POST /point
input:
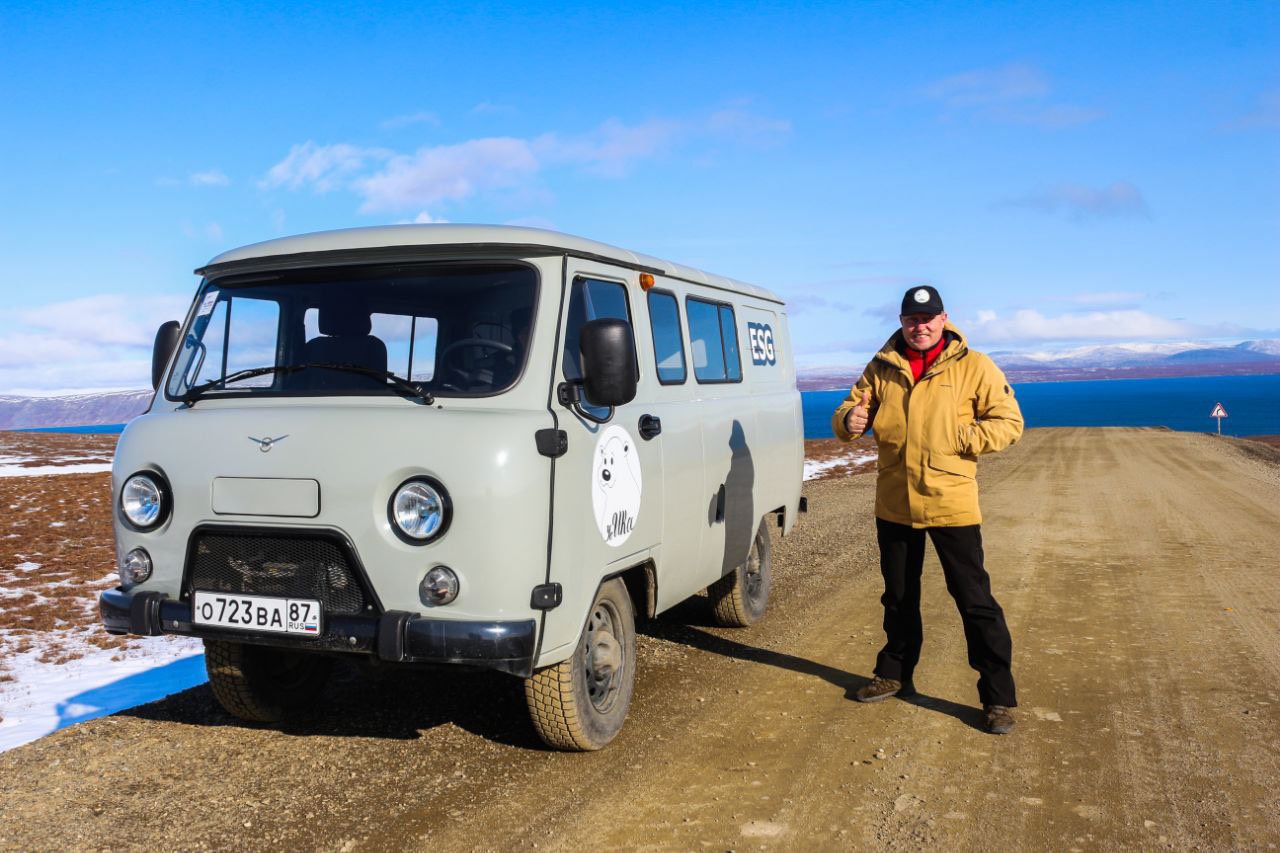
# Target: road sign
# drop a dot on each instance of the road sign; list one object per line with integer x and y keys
{"x": 1218, "y": 412}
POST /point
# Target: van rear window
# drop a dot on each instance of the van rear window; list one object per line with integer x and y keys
{"x": 713, "y": 337}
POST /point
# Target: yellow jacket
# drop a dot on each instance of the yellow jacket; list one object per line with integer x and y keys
{"x": 931, "y": 433}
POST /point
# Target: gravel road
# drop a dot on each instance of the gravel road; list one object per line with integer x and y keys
{"x": 1139, "y": 573}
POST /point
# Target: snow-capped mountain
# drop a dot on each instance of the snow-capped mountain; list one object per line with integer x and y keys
{"x": 107, "y": 407}
{"x": 1140, "y": 354}
{"x": 1105, "y": 361}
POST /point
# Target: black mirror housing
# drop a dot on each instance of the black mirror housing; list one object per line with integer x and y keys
{"x": 608, "y": 362}
{"x": 166, "y": 342}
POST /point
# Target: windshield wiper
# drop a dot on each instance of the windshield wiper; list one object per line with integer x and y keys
{"x": 409, "y": 387}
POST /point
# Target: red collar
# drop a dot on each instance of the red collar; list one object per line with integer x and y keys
{"x": 922, "y": 361}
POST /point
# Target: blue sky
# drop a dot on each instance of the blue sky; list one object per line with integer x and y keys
{"x": 1063, "y": 173}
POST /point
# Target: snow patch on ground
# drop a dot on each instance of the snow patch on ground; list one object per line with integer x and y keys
{"x": 43, "y": 697}
{"x": 816, "y": 468}
{"x": 46, "y": 470}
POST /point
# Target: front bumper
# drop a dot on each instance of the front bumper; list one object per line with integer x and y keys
{"x": 394, "y": 636}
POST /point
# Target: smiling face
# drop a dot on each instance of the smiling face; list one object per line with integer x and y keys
{"x": 922, "y": 331}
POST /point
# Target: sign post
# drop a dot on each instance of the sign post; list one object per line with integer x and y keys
{"x": 1218, "y": 412}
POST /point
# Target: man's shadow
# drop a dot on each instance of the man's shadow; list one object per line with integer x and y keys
{"x": 679, "y": 630}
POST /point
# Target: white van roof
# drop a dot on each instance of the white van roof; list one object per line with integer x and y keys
{"x": 306, "y": 249}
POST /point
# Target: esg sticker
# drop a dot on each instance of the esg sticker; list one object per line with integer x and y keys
{"x": 615, "y": 485}
{"x": 761, "y": 337}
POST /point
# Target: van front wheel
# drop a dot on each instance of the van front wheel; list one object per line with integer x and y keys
{"x": 580, "y": 703}
{"x": 739, "y": 598}
{"x": 261, "y": 684}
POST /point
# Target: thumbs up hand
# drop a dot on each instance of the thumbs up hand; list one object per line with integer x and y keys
{"x": 855, "y": 420}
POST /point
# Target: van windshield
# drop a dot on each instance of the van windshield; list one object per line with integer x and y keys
{"x": 455, "y": 331}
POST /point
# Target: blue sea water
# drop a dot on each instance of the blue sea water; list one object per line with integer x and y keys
{"x": 92, "y": 429}
{"x": 1182, "y": 403}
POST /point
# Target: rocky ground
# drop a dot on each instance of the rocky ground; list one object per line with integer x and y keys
{"x": 1138, "y": 572}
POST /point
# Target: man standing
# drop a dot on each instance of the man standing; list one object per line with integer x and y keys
{"x": 935, "y": 406}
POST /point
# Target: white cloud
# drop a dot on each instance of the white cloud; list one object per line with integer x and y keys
{"x": 1017, "y": 93}
{"x": 211, "y": 178}
{"x": 447, "y": 173}
{"x": 745, "y": 126}
{"x": 488, "y": 108}
{"x": 420, "y": 117}
{"x": 1029, "y": 326}
{"x": 321, "y": 167}
{"x": 93, "y": 342}
{"x": 442, "y": 174}
{"x": 1080, "y": 203}
{"x": 612, "y": 148}
{"x": 1266, "y": 115}
{"x": 423, "y": 218}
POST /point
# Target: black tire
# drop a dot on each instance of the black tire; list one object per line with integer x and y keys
{"x": 739, "y": 598}
{"x": 261, "y": 684}
{"x": 580, "y": 704}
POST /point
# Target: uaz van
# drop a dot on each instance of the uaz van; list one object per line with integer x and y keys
{"x": 446, "y": 444}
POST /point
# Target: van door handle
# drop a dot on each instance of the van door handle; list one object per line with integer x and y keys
{"x": 650, "y": 425}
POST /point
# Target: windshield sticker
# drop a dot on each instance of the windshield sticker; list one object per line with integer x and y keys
{"x": 616, "y": 487}
{"x": 206, "y": 307}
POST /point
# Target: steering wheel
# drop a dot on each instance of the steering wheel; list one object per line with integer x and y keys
{"x": 478, "y": 343}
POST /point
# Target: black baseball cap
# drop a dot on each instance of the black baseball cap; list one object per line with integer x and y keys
{"x": 921, "y": 299}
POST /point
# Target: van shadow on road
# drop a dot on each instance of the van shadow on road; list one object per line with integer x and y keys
{"x": 680, "y": 626}
{"x": 400, "y": 703}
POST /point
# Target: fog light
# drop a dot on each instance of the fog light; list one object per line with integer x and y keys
{"x": 439, "y": 586}
{"x": 135, "y": 567}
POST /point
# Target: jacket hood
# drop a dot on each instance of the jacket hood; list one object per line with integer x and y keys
{"x": 956, "y": 347}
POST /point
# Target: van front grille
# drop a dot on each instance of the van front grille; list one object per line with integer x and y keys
{"x": 309, "y": 566}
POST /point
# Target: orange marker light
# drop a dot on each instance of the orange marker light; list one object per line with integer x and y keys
{"x": 646, "y": 281}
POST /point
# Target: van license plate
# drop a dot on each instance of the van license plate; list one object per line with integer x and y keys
{"x": 256, "y": 613}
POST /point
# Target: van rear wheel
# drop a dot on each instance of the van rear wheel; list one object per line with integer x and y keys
{"x": 261, "y": 684}
{"x": 581, "y": 703}
{"x": 739, "y": 598}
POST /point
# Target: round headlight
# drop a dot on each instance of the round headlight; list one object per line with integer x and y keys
{"x": 439, "y": 586}
{"x": 135, "y": 567}
{"x": 142, "y": 501}
{"x": 419, "y": 511}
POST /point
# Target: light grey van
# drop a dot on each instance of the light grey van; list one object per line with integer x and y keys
{"x": 460, "y": 445}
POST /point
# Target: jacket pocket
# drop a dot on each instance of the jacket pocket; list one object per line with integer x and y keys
{"x": 957, "y": 465}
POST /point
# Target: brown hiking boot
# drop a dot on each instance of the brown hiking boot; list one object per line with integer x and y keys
{"x": 999, "y": 719}
{"x": 882, "y": 688}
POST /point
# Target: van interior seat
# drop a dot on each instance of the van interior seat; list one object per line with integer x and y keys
{"x": 344, "y": 338}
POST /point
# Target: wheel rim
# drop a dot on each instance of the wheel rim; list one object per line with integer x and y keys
{"x": 602, "y": 659}
{"x": 753, "y": 576}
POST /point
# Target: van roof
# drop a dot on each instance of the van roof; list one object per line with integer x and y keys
{"x": 395, "y": 241}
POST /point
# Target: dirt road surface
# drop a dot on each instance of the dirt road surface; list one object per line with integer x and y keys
{"x": 1140, "y": 571}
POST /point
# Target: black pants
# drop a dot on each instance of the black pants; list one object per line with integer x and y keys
{"x": 960, "y": 551}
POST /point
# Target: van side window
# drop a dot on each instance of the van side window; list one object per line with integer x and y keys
{"x": 668, "y": 345}
{"x": 729, "y": 334}
{"x": 714, "y": 341}
{"x": 238, "y": 333}
{"x": 589, "y": 300}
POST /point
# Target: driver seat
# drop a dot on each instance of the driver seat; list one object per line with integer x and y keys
{"x": 344, "y": 338}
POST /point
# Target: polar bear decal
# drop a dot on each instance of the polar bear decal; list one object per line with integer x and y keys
{"x": 616, "y": 485}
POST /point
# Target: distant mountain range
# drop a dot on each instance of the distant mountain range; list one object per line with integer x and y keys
{"x": 1106, "y": 361}
{"x": 107, "y": 407}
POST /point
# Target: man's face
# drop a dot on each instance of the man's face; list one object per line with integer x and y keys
{"x": 922, "y": 331}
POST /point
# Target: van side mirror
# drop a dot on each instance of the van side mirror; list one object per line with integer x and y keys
{"x": 162, "y": 350}
{"x": 608, "y": 369}
{"x": 608, "y": 362}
